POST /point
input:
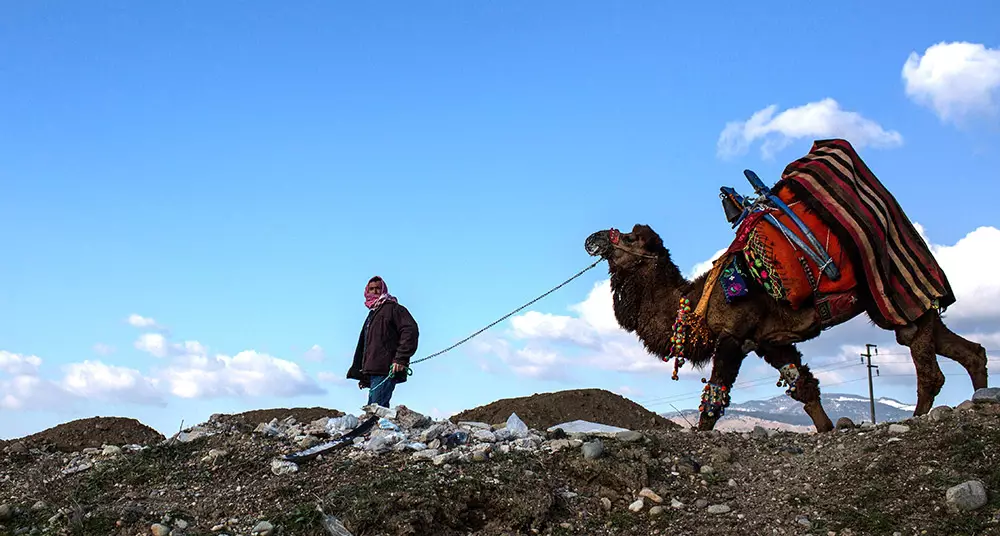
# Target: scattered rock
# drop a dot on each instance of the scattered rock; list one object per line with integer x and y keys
{"x": 606, "y": 503}
{"x": 263, "y": 528}
{"x": 707, "y": 470}
{"x": 966, "y": 406}
{"x": 719, "y": 509}
{"x": 987, "y": 395}
{"x": 701, "y": 503}
{"x": 214, "y": 455}
{"x": 677, "y": 505}
{"x": 637, "y": 505}
{"x": 485, "y": 436}
{"x": 651, "y": 495}
{"x": 940, "y": 413}
{"x": 898, "y": 428}
{"x": 688, "y": 466}
{"x": 159, "y": 530}
{"x": 656, "y": 510}
{"x": 593, "y": 449}
{"x": 967, "y": 496}
{"x": 283, "y": 467}
{"x": 474, "y": 426}
{"x": 427, "y": 454}
{"x": 628, "y": 436}
{"x": 721, "y": 456}
{"x": 6, "y": 512}
{"x": 845, "y": 423}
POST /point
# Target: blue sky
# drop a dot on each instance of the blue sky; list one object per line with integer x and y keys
{"x": 232, "y": 175}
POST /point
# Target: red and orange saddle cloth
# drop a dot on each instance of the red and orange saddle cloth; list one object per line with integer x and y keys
{"x": 783, "y": 270}
{"x": 841, "y": 202}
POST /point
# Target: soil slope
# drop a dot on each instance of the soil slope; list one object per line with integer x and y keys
{"x": 94, "y": 432}
{"x": 543, "y": 410}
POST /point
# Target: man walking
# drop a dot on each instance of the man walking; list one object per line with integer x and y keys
{"x": 387, "y": 342}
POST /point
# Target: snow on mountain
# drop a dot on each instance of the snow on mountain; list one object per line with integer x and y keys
{"x": 897, "y": 405}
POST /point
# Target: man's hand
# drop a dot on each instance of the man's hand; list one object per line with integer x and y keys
{"x": 361, "y": 384}
{"x": 396, "y": 367}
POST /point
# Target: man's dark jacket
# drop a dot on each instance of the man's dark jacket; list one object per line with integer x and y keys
{"x": 388, "y": 336}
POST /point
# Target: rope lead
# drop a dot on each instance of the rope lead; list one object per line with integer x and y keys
{"x": 409, "y": 371}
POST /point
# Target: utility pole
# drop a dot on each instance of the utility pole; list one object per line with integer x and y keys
{"x": 871, "y": 388}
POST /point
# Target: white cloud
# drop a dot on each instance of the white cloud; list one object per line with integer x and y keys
{"x": 26, "y": 391}
{"x": 158, "y": 345}
{"x": 438, "y": 414}
{"x": 315, "y": 353}
{"x": 977, "y": 289}
{"x": 334, "y": 378}
{"x": 821, "y": 119}
{"x": 154, "y": 344}
{"x": 535, "y": 325}
{"x": 103, "y": 349}
{"x": 18, "y": 364}
{"x": 629, "y": 392}
{"x": 140, "y": 321}
{"x": 97, "y": 381}
{"x": 246, "y": 374}
{"x": 705, "y": 266}
{"x": 529, "y": 362}
{"x": 955, "y": 79}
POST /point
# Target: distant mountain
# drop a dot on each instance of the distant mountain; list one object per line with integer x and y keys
{"x": 781, "y": 412}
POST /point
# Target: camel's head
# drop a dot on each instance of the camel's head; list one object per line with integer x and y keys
{"x": 626, "y": 251}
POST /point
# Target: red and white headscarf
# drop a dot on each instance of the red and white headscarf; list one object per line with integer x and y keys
{"x": 374, "y": 299}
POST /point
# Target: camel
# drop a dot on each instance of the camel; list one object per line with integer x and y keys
{"x": 647, "y": 288}
{"x": 846, "y": 248}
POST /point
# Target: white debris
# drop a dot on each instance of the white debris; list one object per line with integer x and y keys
{"x": 587, "y": 427}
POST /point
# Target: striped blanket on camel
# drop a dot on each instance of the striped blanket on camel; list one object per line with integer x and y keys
{"x": 895, "y": 263}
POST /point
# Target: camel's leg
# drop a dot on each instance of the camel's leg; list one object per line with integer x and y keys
{"x": 725, "y": 368}
{"x": 970, "y": 355}
{"x": 919, "y": 337}
{"x": 804, "y": 386}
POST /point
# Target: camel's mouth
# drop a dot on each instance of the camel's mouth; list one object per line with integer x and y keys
{"x": 598, "y": 244}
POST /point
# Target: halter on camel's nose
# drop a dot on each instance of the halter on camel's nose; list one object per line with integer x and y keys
{"x": 598, "y": 243}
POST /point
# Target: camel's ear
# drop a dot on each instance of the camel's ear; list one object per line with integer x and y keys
{"x": 651, "y": 240}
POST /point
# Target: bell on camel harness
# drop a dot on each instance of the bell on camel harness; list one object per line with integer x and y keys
{"x": 738, "y": 208}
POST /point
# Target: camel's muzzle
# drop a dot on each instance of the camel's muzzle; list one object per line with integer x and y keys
{"x": 598, "y": 243}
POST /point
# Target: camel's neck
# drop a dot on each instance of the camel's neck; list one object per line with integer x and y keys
{"x": 646, "y": 303}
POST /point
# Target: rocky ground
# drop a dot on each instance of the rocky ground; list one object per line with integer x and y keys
{"x": 937, "y": 474}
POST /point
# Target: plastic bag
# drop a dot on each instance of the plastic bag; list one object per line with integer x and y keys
{"x": 386, "y": 424}
{"x": 456, "y": 439}
{"x": 384, "y": 442}
{"x": 342, "y": 424}
{"x": 516, "y": 426}
{"x": 334, "y": 526}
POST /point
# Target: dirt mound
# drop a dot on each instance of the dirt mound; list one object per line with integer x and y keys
{"x": 249, "y": 420}
{"x": 94, "y": 432}
{"x": 541, "y": 411}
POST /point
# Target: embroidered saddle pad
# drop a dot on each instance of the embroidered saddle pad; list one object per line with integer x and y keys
{"x": 783, "y": 270}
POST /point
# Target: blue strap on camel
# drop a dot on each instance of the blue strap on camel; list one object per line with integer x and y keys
{"x": 738, "y": 208}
